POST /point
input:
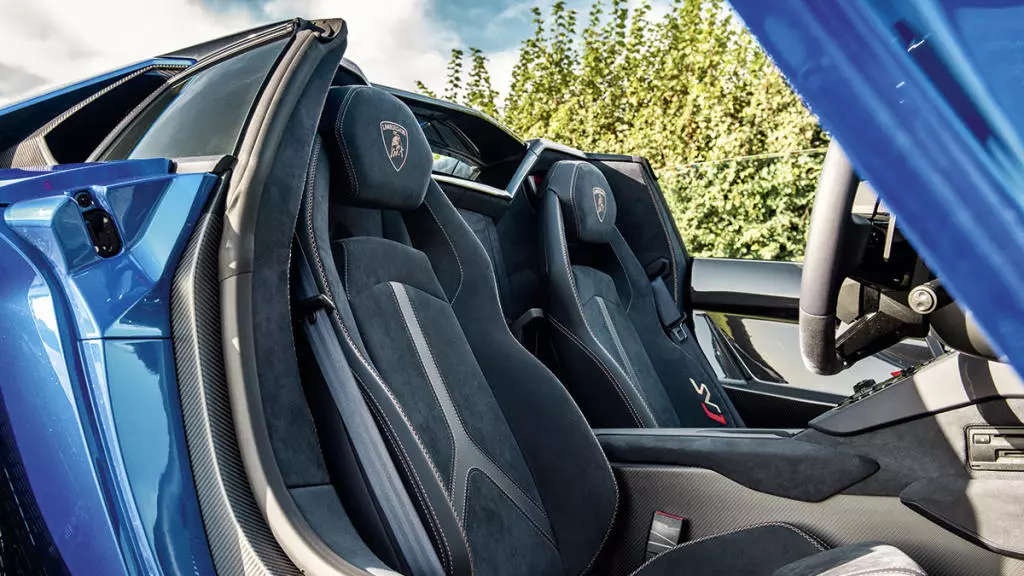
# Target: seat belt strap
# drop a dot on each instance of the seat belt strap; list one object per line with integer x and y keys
{"x": 381, "y": 475}
{"x": 667, "y": 531}
{"x": 672, "y": 320}
{"x": 516, "y": 327}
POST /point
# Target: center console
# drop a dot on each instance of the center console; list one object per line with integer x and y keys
{"x": 946, "y": 383}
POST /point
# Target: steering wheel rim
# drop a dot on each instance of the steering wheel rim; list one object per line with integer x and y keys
{"x": 824, "y": 264}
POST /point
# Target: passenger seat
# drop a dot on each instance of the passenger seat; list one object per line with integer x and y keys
{"x": 616, "y": 357}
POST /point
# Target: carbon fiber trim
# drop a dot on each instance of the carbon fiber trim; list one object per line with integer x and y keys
{"x": 33, "y": 150}
{"x": 240, "y": 540}
{"x": 714, "y": 504}
{"x": 26, "y": 545}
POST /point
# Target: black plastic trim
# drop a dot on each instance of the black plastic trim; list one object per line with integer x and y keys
{"x": 768, "y": 461}
{"x": 747, "y": 287}
{"x": 986, "y": 512}
{"x": 950, "y": 382}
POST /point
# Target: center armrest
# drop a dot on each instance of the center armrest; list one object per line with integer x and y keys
{"x": 770, "y": 461}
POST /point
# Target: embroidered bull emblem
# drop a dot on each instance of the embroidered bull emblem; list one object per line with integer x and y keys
{"x": 601, "y": 203}
{"x": 396, "y": 143}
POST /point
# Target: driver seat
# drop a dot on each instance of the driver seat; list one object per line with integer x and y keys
{"x": 500, "y": 466}
{"x": 624, "y": 369}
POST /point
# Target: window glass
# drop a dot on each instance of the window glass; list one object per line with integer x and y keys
{"x": 201, "y": 116}
{"x": 455, "y": 167}
{"x": 765, "y": 351}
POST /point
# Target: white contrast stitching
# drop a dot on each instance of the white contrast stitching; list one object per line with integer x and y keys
{"x": 451, "y": 434}
{"x": 572, "y": 199}
{"x": 339, "y": 137}
{"x": 398, "y": 407}
{"x": 622, "y": 265}
{"x": 600, "y": 364}
{"x": 450, "y": 245}
{"x": 458, "y": 414}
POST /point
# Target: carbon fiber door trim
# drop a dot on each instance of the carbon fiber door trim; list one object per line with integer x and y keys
{"x": 714, "y": 505}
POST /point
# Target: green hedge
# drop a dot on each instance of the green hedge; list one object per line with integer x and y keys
{"x": 745, "y": 208}
{"x": 685, "y": 89}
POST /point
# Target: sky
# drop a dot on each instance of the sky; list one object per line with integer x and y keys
{"x": 396, "y": 42}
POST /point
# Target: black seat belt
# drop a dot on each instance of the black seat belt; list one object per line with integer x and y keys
{"x": 672, "y": 320}
{"x": 382, "y": 477}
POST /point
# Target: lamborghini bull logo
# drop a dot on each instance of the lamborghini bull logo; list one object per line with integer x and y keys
{"x": 711, "y": 409}
{"x": 396, "y": 143}
{"x": 601, "y": 203}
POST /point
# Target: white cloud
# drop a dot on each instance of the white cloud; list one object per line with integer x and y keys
{"x": 500, "y": 65}
{"x": 395, "y": 42}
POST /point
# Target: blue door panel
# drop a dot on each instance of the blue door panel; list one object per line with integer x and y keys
{"x": 43, "y": 393}
{"x": 924, "y": 96}
{"x": 124, "y": 296}
{"x": 142, "y": 422}
{"x": 89, "y": 381}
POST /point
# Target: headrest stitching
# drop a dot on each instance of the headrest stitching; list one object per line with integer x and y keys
{"x": 572, "y": 196}
{"x": 339, "y": 124}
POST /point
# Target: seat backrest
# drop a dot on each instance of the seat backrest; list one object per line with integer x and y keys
{"x": 614, "y": 354}
{"x": 500, "y": 463}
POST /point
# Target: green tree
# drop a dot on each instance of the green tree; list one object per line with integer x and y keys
{"x": 479, "y": 92}
{"x": 737, "y": 152}
{"x": 422, "y": 89}
{"x": 453, "y": 90}
{"x": 476, "y": 91}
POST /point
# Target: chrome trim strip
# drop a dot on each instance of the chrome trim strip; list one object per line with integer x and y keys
{"x": 534, "y": 149}
{"x": 471, "y": 185}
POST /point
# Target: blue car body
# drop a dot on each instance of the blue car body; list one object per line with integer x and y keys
{"x": 89, "y": 390}
{"x": 94, "y": 448}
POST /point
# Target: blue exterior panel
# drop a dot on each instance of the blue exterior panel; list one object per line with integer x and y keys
{"x": 924, "y": 96}
{"x": 90, "y": 390}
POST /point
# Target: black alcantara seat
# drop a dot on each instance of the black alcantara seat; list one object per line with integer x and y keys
{"x": 500, "y": 465}
{"x": 617, "y": 360}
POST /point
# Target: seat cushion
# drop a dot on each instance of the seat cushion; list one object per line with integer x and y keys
{"x": 863, "y": 559}
{"x": 778, "y": 550}
{"x": 619, "y": 342}
{"x": 756, "y": 551}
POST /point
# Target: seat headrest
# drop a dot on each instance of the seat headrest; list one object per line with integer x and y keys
{"x": 379, "y": 155}
{"x": 587, "y": 201}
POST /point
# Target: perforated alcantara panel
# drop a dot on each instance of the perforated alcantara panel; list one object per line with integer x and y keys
{"x": 240, "y": 541}
{"x": 713, "y": 504}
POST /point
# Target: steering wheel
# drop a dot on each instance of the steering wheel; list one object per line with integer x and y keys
{"x": 830, "y": 255}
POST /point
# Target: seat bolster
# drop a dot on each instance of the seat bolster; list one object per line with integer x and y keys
{"x": 696, "y": 392}
{"x": 755, "y": 551}
{"x": 862, "y": 559}
{"x": 608, "y": 400}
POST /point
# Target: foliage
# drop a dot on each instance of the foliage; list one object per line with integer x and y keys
{"x": 479, "y": 93}
{"x": 737, "y": 153}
